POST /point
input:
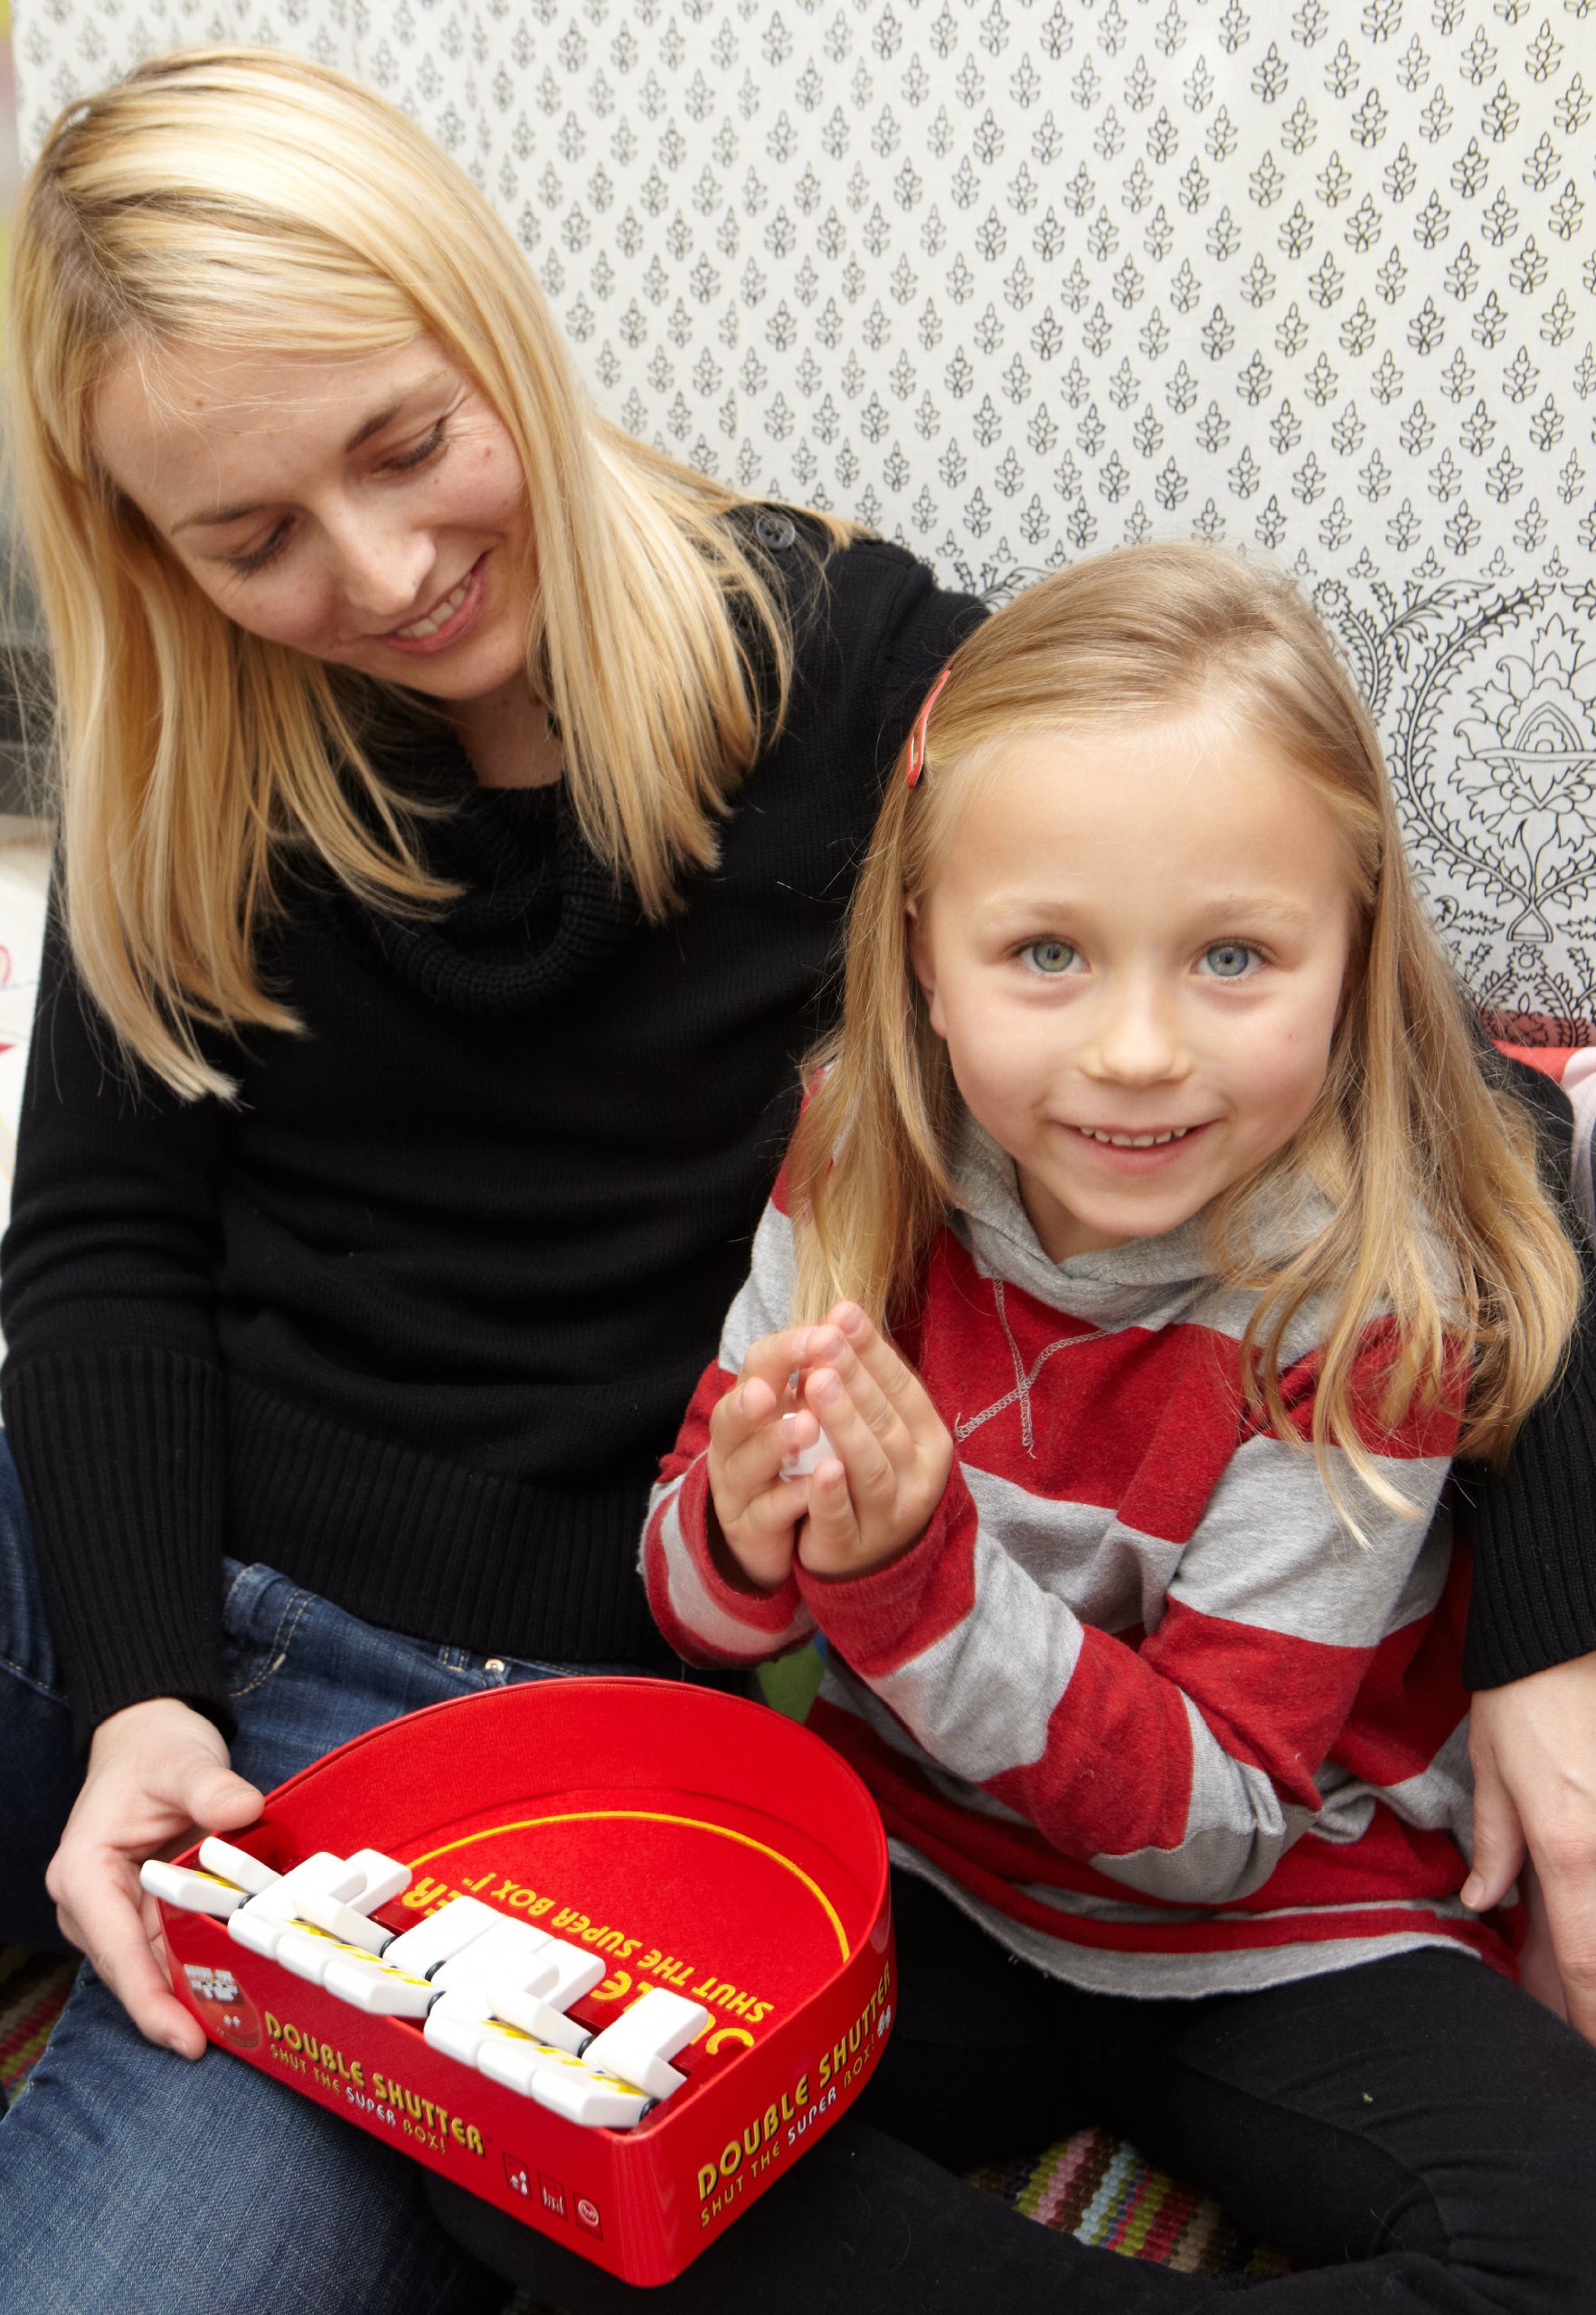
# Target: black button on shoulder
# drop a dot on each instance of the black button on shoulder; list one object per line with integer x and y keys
{"x": 774, "y": 531}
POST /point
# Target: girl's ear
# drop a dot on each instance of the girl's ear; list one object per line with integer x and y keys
{"x": 920, "y": 957}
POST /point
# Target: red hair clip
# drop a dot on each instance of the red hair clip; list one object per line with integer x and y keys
{"x": 917, "y": 738}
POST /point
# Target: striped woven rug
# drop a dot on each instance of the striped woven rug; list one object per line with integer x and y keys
{"x": 33, "y": 1988}
{"x": 1090, "y": 2185}
{"x": 1097, "y": 2187}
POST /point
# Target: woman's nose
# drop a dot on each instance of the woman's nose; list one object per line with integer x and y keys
{"x": 381, "y": 568}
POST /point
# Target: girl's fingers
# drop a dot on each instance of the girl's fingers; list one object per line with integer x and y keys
{"x": 888, "y": 1448}
{"x": 761, "y": 1388}
{"x": 761, "y": 1540}
{"x": 771, "y": 1359}
{"x": 776, "y": 1512}
{"x": 830, "y": 1543}
{"x": 765, "y": 1531}
{"x": 864, "y": 1427}
{"x": 742, "y": 1413}
{"x": 887, "y": 1368}
{"x": 740, "y": 1472}
{"x": 743, "y": 1456}
{"x": 752, "y": 1429}
{"x": 892, "y": 1472}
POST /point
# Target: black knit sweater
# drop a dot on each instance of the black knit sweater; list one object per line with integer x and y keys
{"x": 1533, "y": 1601}
{"x": 413, "y": 1321}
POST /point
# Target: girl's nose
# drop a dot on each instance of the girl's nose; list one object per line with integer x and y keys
{"x": 1137, "y": 1041}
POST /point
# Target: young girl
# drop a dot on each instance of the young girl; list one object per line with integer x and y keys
{"x": 1149, "y": 1246}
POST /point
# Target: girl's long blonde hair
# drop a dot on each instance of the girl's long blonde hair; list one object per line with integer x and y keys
{"x": 237, "y": 198}
{"x": 1415, "y": 1150}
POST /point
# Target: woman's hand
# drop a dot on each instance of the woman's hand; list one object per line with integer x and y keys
{"x": 752, "y": 1431}
{"x": 1533, "y": 1744}
{"x": 890, "y": 1450}
{"x": 157, "y": 1774}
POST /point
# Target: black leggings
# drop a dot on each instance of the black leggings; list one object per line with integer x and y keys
{"x": 1415, "y": 2133}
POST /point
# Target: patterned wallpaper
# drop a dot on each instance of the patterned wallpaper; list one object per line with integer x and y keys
{"x": 1014, "y": 278}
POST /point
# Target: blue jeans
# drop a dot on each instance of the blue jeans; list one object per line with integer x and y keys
{"x": 129, "y": 2179}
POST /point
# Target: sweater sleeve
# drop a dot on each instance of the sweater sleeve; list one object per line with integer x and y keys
{"x": 706, "y": 1619}
{"x": 1533, "y": 1602}
{"x": 1183, "y": 1765}
{"x": 113, "y": 1398}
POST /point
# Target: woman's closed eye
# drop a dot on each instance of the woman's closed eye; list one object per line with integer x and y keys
{"x": 422, "y": 453}
{"x": 431, "y": 442}
{"x": 1231, "y": 960}
{"x": 260, "y": 556}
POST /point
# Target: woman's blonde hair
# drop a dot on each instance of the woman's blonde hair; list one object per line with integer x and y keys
{"x": 1415, "y": 1151}
{"x": 237, "y": 198}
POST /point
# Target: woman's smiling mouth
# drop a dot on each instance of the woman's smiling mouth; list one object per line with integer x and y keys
{"x": 448, "y": 619}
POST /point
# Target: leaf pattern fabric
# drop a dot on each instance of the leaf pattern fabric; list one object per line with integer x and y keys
{"x": 1013, "y": 279}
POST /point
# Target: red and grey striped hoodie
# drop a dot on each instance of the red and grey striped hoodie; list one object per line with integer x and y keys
{"x": 1136, "y": 1699}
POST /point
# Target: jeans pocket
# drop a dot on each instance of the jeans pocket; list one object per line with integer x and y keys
{"x": 259, "y": 1617}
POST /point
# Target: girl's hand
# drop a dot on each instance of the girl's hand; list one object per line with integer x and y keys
{"x": 751, "y": 1432}
{"x": 157, "y": 1774}
{"x": 892, "y": 1451}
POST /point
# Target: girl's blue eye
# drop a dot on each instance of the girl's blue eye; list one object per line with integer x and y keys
{"x": 1049, "y": 956}
{"x": 1229, "y": 959}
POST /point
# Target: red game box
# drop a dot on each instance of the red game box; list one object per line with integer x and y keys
{"x": 696, "y": 1842}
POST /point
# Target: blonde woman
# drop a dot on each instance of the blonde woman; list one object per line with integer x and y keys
{"x": 457, "y": 805}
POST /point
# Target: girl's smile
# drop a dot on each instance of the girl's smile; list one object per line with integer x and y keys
{"x": 1139, "y": 1149}
{"x": 1136, "y": 950}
